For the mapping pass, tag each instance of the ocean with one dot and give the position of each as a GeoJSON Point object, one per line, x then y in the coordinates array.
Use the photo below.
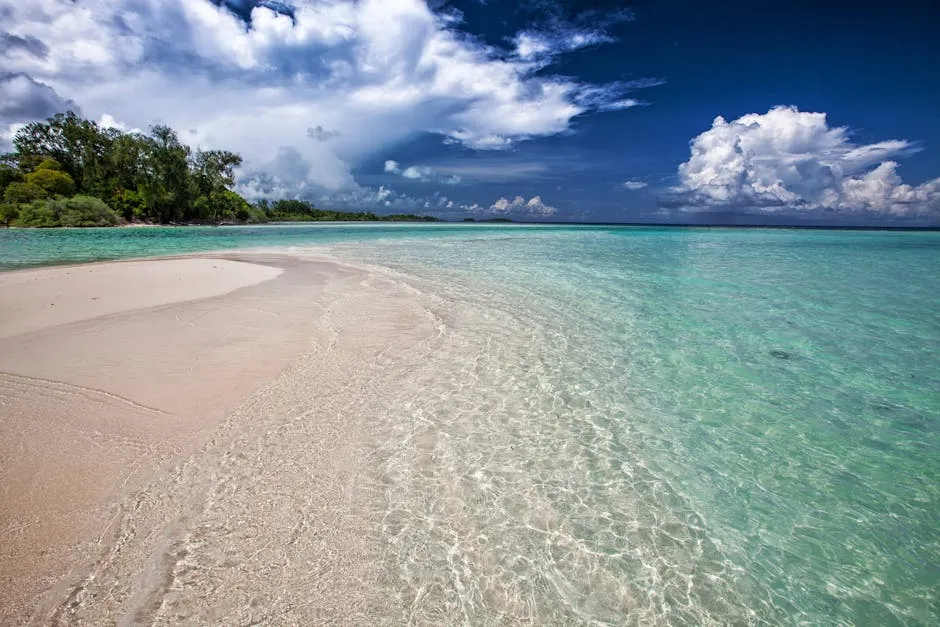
{"type": "Point", "coordinates": [642, 425]}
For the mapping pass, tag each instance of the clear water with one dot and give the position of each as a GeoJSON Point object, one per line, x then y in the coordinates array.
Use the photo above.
{"type": "Point", "coordinates": [640, 425]}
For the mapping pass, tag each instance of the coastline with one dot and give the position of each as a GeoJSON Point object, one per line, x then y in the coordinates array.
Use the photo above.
{"type": "Point", "coordinates": [127, 415]}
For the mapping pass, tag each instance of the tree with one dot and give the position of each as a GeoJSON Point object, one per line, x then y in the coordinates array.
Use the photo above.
{"type": "Point", "coordinates": [126, 161]}
{"type": "Point", "coordinates": [165, 188]}
{"type": "Point", "coordinates": [49, 177]}
{"type": "Point", "coordinates": [223, 205]}
{"type": "Point", "coordinates": [129, 204]}
{"type": "Point", "coordinates": [152, 177]}
{"type": "Point", "coordinates": [8, 174]}
{"type": "Point", "coordinates": [8, 213]}
{"type": "Point", "coordinates": [79, 145]}
{"type": "Point", "coordinates": [214, 170]}
{"type": "Point", "coordinates": [21, 192]}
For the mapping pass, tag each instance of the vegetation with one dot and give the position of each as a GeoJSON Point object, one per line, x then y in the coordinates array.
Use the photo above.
{"type": "Point", "coordinates": [74, 211]}
{"type": "Point", "coordinates": [68, 171]}
{"type": "Point", "coordinates": [303, 211]}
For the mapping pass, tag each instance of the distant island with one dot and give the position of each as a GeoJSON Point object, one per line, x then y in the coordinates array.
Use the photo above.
{"type": "Point", "coordinates": [69, 171]}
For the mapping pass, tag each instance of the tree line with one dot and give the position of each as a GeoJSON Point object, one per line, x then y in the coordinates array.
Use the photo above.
{"type": "Point", "coordinates": [69, 171]}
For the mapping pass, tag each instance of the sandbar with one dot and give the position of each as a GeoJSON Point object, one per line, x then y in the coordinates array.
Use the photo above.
{"type": "Point", "coordinates": [133, 395]}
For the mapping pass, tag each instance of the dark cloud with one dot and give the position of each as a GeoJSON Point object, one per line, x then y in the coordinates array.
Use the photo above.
{"type": "Point", "coordinates": [243, 8]}
{"type": "Point", "coordinates": [29, 44]}
{"type": "Point", "coordinates": [22, 99]}
{"type": "Point", "coordinates": [321, 134]}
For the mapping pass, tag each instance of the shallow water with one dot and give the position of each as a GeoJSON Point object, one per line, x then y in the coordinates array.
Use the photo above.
{"type": "Point", "coordinates": [625, 425]}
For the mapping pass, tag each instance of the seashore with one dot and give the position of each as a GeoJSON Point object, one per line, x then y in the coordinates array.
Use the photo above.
{"type": "Point", "coordinates": [152, 408]}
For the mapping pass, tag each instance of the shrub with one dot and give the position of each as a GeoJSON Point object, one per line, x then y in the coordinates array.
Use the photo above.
{"type": "Point", "coordinates": [75, 211]}
{"type": "Point", "coordinates": [8, 213]}
{"type": "Point", "coordinates": [253, 215]}
{"type": "Point", "coordinates": [39, 213]}
{"type": "Point", "coordinates": [85, 211]}
{"type": "Point", "coordinates": [18, 193]}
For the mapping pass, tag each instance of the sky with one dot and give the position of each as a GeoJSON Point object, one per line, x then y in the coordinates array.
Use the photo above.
{"type": "Point", "coordinates": [667, 111]}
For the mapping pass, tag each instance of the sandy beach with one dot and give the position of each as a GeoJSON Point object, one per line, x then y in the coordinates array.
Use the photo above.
{"type": "Point", "coordinates": [151, 407]}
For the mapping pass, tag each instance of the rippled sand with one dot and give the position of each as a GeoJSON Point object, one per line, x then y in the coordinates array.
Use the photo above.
{"type": "Point", "coordinates": [193, 461]}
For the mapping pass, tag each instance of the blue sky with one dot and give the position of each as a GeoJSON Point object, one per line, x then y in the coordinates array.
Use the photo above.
{"type": "Point", "coordinates": [535, 110]}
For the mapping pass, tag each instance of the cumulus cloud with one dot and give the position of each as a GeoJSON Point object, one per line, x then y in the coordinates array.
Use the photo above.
{"type": "Point", "coordinates": [635, 185]}
{"type": "Point", "coordinates": [262, 77]}
{"type": "Point", "coordinates": [519, 207]}
{"type": "Point", "coordinates": [787, 160]}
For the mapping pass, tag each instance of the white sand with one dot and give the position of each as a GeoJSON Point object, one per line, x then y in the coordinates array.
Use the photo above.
{"type": "Point", "coordinates": [163, 406]}
{"type": "Point", "coordinates": [43, 298]}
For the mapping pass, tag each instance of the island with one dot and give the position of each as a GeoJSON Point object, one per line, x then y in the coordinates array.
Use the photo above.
{"type": "Point", "coordinates": [70, 171]}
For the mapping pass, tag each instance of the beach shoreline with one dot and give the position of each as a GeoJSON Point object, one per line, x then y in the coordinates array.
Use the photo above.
{"type": "Point", "coordinates": [122, 401]}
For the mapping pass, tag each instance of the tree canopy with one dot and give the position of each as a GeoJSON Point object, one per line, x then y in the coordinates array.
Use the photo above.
{"type": "Point", "coordinates": [69, 171]}
{"type": "Point", "coordinates": [134, 176]}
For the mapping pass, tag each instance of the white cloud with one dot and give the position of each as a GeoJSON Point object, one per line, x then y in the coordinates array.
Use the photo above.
{"type": "Point", "coordinates": [532, 45]}
{"type": "Point", "coordinates": [495, 170]}
{"type": "Point", "coordinates": [518, 206]}
{"type": "Point", "coordinates": [635, 185]}
{"type": "Point", "coordinates": [535, 45]}
{"type": "Point", "coordinates": [418, 173]}
{"type": "Point", "coordinates": [560, 36]}
{"type": "Point", "coordinates": [107, 121]}
{"type": "Point", "coordinates": [789, 160]}
{"type": "Point", "coordinates": [333, 85]}
{"type": "Point", "coordinates": [624, 103]}
{"type": "Point", "coordinates": [423, 173]}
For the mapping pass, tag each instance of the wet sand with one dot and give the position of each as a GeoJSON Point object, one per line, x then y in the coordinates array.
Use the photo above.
{"type": "Point", "coordinates": [181, 439]}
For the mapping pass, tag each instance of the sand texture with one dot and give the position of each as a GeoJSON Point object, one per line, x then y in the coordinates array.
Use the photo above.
{"type": "Point", "coordinates": [180, 440]}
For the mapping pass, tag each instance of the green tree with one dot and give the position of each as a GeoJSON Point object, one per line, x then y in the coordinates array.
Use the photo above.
{"type": "Point", "coordinates": [49, 177]}
{"type": "Point", "coordinates": [214, 170]}
{"type": "Point", "coordinates": [22, 192]}
{"type": "Point", "coordinates": [166, 185]}
{"type": "Point", "coordinates": [223, 205]}
{"type": "Point", "coordinates": [8, 213]}
{"type": "Point", "coordinates": [129, 204]}
{"type": "Point", "coordinates": [127, 160]}
{"type": "Point", "coordinates": [80, 145]}
{"type": "Point", "coordinates": [8, 174]}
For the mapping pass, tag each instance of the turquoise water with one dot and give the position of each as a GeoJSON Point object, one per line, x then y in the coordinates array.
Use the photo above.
{"type": "Point", "coordinates": [643, 425]}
